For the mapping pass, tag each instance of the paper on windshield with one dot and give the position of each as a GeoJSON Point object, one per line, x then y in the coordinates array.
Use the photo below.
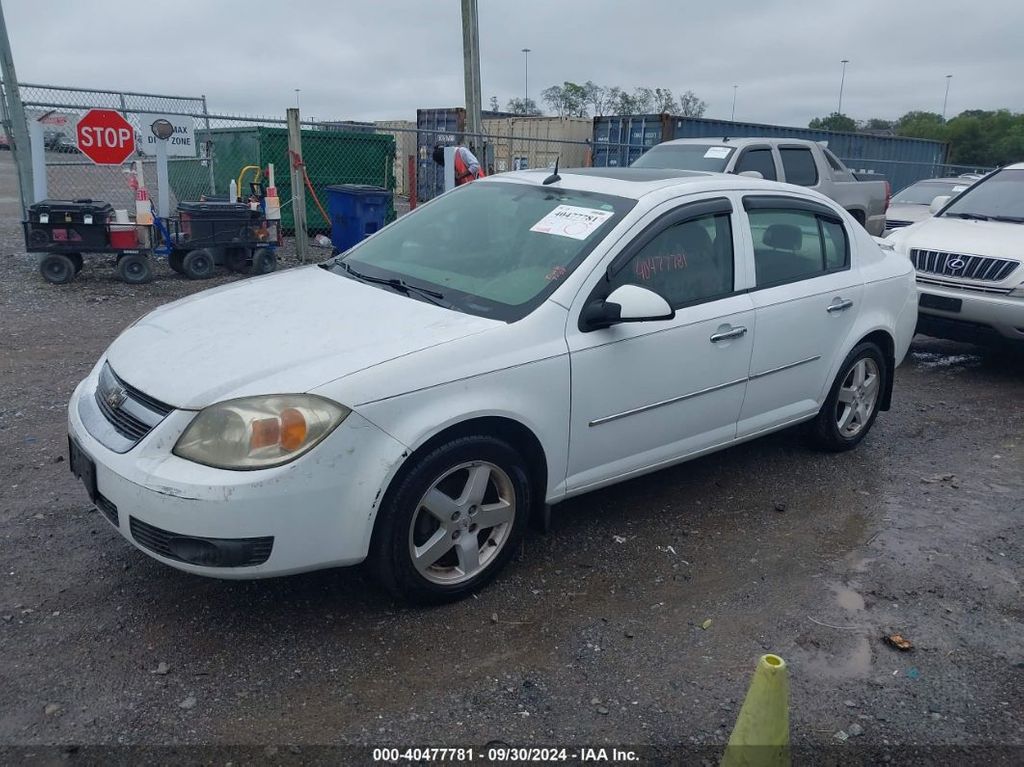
{"type": "Point", "coordinates": [572, 221]}
{"type": "Point", "coordinates": [958, 188]}
{"type": "Point", "coordinates": [717, 153]}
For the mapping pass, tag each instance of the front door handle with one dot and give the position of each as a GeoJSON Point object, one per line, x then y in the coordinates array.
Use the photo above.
{"type": "Point", "coordinates": [840, 305]}
{"type": "Point", "coordinates": [725, 335]}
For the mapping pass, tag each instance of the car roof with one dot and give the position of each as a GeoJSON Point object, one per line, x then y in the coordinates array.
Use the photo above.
{"type": "Point", "coordinates": [946, 180]}
{"type": "Point", "coordinates": [1015, 166]}
{"type": "Point", "coordinates": [634, 183]}
{"type": "Point", "coordinates": [737, 141]}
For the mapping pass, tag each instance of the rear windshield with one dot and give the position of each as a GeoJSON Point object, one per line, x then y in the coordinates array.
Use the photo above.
{"type": "Point", "coordinates": [923, 192]}
{"type": "Point", "coordinates": [706, 157]}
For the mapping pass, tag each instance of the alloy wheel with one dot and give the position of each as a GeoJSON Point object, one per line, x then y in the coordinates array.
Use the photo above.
{"type": "Point", "coordinates": [858, 396]}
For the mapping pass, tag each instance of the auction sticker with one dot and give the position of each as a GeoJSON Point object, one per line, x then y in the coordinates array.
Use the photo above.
{"type": "Point", "coordinates": [572, 221]}
{"type": "Point", "coordinates": [717, 152]}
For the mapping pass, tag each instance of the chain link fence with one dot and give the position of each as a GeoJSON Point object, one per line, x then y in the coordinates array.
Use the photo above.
{"type": "Point", "coordinates": [395, 154]}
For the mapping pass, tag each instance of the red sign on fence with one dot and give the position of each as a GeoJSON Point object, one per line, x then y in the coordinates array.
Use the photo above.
{"type": "Point", "coordinates": [105, 137]}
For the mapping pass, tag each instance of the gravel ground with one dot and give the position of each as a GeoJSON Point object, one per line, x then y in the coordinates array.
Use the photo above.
{"type": "Point", "coordinates": [598, 634]}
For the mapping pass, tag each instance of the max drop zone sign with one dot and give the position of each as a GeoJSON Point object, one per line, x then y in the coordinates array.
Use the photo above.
{"type": "Point", "coordinates": [182, 142]}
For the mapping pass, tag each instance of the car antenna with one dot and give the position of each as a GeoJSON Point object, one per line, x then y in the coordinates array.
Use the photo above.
{"type": "Point", "coordinates": [554, 176]}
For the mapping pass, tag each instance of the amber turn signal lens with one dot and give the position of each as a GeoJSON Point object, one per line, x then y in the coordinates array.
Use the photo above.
{"type": "Point", "coordinates": [293, 429]}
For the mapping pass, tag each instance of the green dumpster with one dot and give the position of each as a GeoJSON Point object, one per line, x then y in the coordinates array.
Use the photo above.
{"type": "Point", "coordinates": [331, 157]}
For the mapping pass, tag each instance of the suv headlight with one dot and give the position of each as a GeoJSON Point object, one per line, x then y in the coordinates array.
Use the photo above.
{"type": "Point", "coordinates": [259, 432]}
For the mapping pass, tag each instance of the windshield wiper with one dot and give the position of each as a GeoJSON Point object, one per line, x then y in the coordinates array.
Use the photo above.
{"type": "Point", "coordinates": [970, 216]}
{"type": "Point", "coordinates": [1009, 219]}
{"type": "Point", "coordinates": [400, 285]}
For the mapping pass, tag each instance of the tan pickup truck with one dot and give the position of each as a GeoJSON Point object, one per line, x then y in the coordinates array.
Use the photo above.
{"type": "Point", "coordinates": [794, 161]}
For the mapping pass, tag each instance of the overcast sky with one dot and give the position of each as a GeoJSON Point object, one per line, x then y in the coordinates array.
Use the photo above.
{"type": "Point", "coordinates": [381, 59]}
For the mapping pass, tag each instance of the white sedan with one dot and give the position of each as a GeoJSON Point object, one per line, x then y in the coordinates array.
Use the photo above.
{"type": "Point", "coordinates": [415, 401]}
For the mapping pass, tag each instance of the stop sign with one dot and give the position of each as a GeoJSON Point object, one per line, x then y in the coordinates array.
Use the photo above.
{"type": "Point", "coordinates": [105, 137]}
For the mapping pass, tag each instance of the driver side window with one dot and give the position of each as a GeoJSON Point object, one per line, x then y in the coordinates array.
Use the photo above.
{"type": "Point", "coordinates": [686, 263]}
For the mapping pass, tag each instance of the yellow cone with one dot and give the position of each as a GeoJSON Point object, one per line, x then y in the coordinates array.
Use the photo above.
{"type": "Point", "coordinates": [761, 735]}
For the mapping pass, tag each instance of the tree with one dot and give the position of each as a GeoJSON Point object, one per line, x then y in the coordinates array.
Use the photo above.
{"type": "Point", "coordinates": [664, 101]}
{"type": "Point", "coordinates": [596, 96]}
{"type": "Point", "coordinates": [835, 122]}
{"type": "Point", "coordinates": [877, 125]}
{"type": "Point", "coordinates": [568, 99]}
{"type": "Point", "coordinates": [526, 107]}
{"type": "Point", "coordinates": [691, 106]}
{"type": "Point", "coordinates": [495, 107]}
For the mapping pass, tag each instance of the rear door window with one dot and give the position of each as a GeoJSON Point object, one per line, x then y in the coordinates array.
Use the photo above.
{"type": "Point", "coordinates": [759, 159]}
{"type": "Point", "coordinates": [798, 164]}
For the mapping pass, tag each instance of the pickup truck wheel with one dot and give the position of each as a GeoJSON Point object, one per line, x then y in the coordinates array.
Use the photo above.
{"type": "Point", "coordinates": [452, 521]}
{"type": "Point", "coordinates": [852, 404]}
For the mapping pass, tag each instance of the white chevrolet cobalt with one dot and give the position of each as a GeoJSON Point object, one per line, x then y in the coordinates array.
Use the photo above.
{"type": "Point", "coordinates": [526, 338]}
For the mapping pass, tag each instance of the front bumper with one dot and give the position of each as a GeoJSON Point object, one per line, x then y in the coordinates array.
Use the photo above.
{"type": "Point", "coordinates": [317, 511]}
{"type": "Point", "coordinates": [980, 315]}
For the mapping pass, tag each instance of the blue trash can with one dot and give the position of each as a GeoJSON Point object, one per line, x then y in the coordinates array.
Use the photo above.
{"type": "Point", "coordinates": [356, 211]}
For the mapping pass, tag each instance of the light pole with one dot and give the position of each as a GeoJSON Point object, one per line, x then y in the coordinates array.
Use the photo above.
{"type": "Point", "coordinates": [734, 89]}
{"type": "Point", "coordinates": [945, 98]}
{"type": "Point", "coordinates": [297, 91]}
{"type": "Point", "coordinates": [842, 82]}
{"type": "Point", "coordinates": [526, 82]}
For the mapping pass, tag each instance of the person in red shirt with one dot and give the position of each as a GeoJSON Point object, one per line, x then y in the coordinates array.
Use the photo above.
{"type": "Point", "coordinates": [467, 166]}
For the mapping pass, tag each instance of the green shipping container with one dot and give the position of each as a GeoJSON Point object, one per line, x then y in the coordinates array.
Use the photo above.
{"type": "Point", "coordinates": [331, 157]}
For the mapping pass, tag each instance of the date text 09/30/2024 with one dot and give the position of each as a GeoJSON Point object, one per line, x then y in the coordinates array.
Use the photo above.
{"type": "Point", "coordinates": [503, 754]}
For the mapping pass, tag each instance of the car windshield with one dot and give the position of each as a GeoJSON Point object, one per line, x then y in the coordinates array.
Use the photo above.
{"type": "Point", "coordinates": [923, 192]}
{"type": "Point", "coordinates": [686, 157]}
{"type": "Point", "coordinates": [999, 197]}
{"type": "Point", "coordinates": [494, 249]}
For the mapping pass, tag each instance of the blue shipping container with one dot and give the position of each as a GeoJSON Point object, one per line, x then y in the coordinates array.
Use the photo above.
{"type": "Point", "coordinates": [901, 160]}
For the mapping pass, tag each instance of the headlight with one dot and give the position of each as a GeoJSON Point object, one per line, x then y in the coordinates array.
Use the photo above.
{"type": "Point", "coordinates": [259, 432]}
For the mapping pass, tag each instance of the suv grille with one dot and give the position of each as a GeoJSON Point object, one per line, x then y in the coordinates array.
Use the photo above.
{"type": "Point", "coordinates": [963, 266]}
{"type": "Point", "coordinates": [132, 413]}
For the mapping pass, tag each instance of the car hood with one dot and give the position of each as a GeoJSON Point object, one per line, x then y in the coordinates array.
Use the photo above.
{"type": "Point", "coordinates": [288, 332]}
{"type": "Point", "coordinates": [907, 212]}
{"type": "Point", "coordinates": [995, 239]}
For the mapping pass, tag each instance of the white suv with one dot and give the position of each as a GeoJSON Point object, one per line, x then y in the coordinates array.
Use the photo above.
{"type": "Point", "coordinates": [969, 260]}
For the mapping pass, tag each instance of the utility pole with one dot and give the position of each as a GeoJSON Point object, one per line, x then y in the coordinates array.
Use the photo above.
{"type": "Point", "coordinates": [15, 111]}
{"type": "Point", "coordinates": [842, 82]}
{"type": "Point", "coordinates": [945, 98]}
{"type": "Point", "coordinates": [295, 162]}
{"type": "Point", "coordinates": [471, 64]}
{"type": "Point", "coordinates": [734, 89]}
{"type": "Point", "coordinates": [526, 83]}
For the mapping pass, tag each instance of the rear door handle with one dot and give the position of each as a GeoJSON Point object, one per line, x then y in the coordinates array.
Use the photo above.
{"type": "Point", "coordinates": [725, 335]}
{"type": "Point", "coordinates": [840, 305]}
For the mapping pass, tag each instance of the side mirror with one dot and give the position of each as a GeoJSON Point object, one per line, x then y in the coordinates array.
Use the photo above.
{"type": "Point", "coordinates": [938, 203]}
{"type": "Point", "coordinates": [751, 174]}
{"type": "Point", "coordinates": [627, 303]}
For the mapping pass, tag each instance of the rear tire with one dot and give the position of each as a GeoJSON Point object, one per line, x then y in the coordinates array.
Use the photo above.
{"type": "Point", "coordinates": [852, 404]}
{"type": "Point", "coordinates": [479, 496]}
{"type": "Point", "coordinates": [174, 261]}
{"type": "Point", "coordinates": [198, 264]}
{"type": "Point", "coordinates": [264, 262]}
{"type": "Point", "coordinates": [135, 269]}
{"type": "Point", "coordinates": [57, 268]}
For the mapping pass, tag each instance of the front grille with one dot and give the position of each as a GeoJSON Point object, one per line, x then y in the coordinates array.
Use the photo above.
{"type": "Point", "coordinates": [894, 224]}
{"type": "Point", "coordinates": [124, 422]}
{"type": "Point", "coordinates": [107, 509]}
{"type": "Point", "coordinates": [962, 266]}
{"type": "Point", "coordinates": [234, 552]}
{"type": "Point", "coordinates": [132, 413]}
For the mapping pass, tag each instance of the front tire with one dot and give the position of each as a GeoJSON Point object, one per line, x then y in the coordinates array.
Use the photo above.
{"type": "Point", "coordinates": [451, 521]}
{"type": "Point", "coordinates": [135, 269]}
{"type": "Point", "coordinates": [57, 269]}
{"type": "Point", "coordinates": [852, 404]}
